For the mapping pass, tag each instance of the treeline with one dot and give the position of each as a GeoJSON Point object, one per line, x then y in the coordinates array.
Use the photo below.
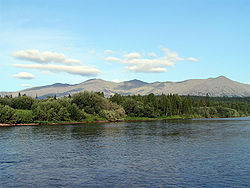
{"type": "Point", "coordinates": [189, 106]}
{"type": "Point", "coordinates": [90, 106]}
{"type": "Point", "coordinates": [85, 106]}
{"type": "Point", "coordinates": [154, 106]}
{"type": "Point", "coordinates": [221, 106]}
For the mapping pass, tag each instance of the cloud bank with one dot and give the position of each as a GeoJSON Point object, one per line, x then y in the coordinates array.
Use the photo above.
{"type": "Point", "coordinates": [24, 75]}
{"type": "Point", "coordinates": [75, 70]}
{"type": "Point", "coordinates": [112, 59]}
{"type": "Point", "coordinates": [48, 61]}
{"type": "Point", "coordinates": [133, 55]}
{"type": "Point", "coordinates": [45, 57]}
{"type": "Point", "coordinates": [138, 63]}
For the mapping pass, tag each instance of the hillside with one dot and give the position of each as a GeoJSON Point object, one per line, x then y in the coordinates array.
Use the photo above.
{"type": "Point", "coordinates": [220, 86]}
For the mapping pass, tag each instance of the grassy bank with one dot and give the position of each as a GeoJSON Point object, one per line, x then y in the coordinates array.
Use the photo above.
{"type": "Point", "coordinates": [94, 119]}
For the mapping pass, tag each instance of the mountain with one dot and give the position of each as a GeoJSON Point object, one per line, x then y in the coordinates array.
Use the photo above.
{"type": "Point", "coordinates": [220, 86]}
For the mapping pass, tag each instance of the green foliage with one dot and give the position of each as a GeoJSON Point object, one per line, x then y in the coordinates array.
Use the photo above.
{"type": "Point", "coordinates": [90, 106]}
{"type": "Point", "coordinates": [6, 114]}
{"type": "Point", "coordinates": [113, 113]}
{"type": "Point", "coordinates": [96, 104]}
{"type": "Point", "coordinates": [240, 104]}
{"type": "Point", "coordinates": [206, 112]}
{"type": "Point", "coordinates": [20, 102]}
{"type": "Point", "coordinates": [154, 106]}
{"type": "Point", "coordinates": [110, 115]}
{"type": "Point", "coordinates": [116, 98]}
{"type": "Point", "coordinates": [173, 105]}
{"type": "Point", "coordinates": [210, 112]}
{"type": "Point", "coordinates": [5, 100]}
{"type": "Point", "coordinates": [10, 115]}
{"type": "Point", "coordinates": [227, 112]}
{"type": "Point", "coordinates": [91, 102]}
{"type": "Point", "coordinates": [57, 110]}
{"type": "Point", "coordinates": [23, 116]}
{"type": "Point", "coordinates": [76, 113]}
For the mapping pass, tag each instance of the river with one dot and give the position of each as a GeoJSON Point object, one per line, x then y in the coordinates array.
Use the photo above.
{"type": "Point", "coordinates": [165, 153]}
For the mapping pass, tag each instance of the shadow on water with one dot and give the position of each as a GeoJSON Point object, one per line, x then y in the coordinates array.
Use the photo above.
{"type": "Point", "coordinates": [88, 130]}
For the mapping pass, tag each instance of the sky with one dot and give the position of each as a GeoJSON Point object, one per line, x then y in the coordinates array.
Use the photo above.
{"type": "Point", "coordinates": [44, 42]}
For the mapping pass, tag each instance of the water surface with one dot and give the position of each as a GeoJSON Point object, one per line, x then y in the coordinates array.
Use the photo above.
{"type": "Point", "coordinates": [178, 153]}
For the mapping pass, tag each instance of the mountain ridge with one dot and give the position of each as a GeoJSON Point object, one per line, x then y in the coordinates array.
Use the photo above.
{"type": "Point", "coordinates": [216, 87]}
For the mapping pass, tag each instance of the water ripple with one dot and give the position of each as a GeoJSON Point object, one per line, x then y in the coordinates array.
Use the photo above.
{"type": "Point", "coordinates": [182, 153]}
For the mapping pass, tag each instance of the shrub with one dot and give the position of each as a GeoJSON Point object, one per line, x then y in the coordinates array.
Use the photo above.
{"type": "Point", "coordinates": [227, 112]}
{"type": "Point", "coordinates": [6, 113]}
{"type": "Point", "coordinates": [23, 116]}
{"type": "Point", "coordinates": [90, 102]}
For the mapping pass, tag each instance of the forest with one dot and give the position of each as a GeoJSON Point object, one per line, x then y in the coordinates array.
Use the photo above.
{"type": "Point", "coordinates": [93, 106]}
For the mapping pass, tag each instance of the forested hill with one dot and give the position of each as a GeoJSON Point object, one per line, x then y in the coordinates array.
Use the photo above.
{"type": "Point", "coordinates": [214, 87]}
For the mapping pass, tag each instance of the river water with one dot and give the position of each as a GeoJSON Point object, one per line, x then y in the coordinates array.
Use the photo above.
{"type": "Point", "coordinates": [167, 153]}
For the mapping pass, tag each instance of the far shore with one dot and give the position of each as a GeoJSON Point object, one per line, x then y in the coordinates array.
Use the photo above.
{"type": "Point", "coordinates": [52, 123]}
{"type": "Point", "coordinates": [130, 119]}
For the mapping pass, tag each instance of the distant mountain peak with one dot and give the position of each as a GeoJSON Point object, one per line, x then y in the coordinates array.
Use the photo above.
{"type": "Point", "coordinates": [60, 85]}
{"type": "Point", "coordinates": [222, 77]}
{"type": "Point", "coordinates": [219, 86]}
{"type": "Point", "coordinates": [56, 85]}
{"type": "Point", "coordinates": [89, 80]}
{"type": "Point", "coordinates": [135, 81]}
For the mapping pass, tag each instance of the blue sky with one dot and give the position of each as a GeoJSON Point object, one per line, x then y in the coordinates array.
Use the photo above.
{"type": "Point", "coordinates": [47, 41]}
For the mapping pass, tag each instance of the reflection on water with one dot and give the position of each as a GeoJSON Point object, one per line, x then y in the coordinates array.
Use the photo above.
{"type": "Point", "coordinates": [188, 153]}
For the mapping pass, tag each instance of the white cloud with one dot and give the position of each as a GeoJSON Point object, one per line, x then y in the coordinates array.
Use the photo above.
{"type": "Point", "coordinates": [137, 63]}
{"type": "Point", "coordinates": [45, 57]}
{"type": "Point", "coordinates": [146, 69]}
{"type": "Point", "coordinates": [171, 56]}
{"type": "Point", "coordinates": [112, 59]}
{"type": "Point", "coordinates": [108, 51]}
{"type": "Point", "coordinates": [75, 70]}
{"type": "Point", "coordinates": [133, 55]}
{"type": "Point", "coordinates": [26, 85]}
{"type": "Point", "coordinates": [152, 54]}
{"type": "Point", "coordinates": [192, 59]}
{"type": "Point", "coordinates": [24, 75]}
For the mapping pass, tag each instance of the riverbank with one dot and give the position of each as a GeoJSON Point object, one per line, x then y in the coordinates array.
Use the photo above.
{"type": "Point", "coordinates": [52, 123]}
{"type": "Point", "coordinates": [127, 119]}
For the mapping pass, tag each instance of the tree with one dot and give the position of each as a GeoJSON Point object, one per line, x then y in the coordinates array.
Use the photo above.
{"type": "Point", "coordinates": [63, 114]}
{"type": "Point", "coordinates": [76, 113]}
{"type": "Point", "coordinates": [129, 105]}
{"type": "Point", "coordinates": [22, 102]}
{"type": "Point", "coordinates": [90, 102]}
{"type": "Point", "coordinates": [117, 98]}
{"type": "Point", "coordinates": [6, 114]}
{"type": "Point", "coordinates": [207, 100]}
